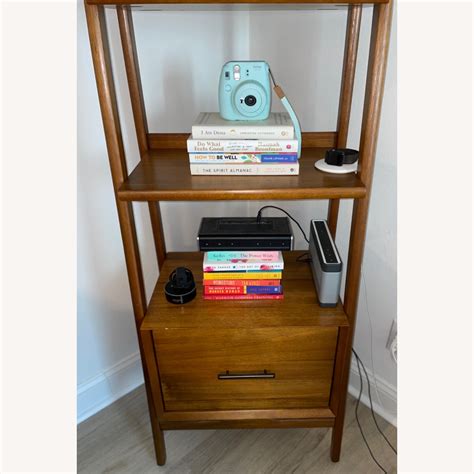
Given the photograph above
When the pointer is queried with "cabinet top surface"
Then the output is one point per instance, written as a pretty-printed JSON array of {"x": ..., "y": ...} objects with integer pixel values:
[
  {"x": 298, "y": 308},
  {"x": 164, "y": 175}
]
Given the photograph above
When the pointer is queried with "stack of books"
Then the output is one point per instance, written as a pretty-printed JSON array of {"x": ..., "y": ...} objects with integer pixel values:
[
  {"x": 223, "y": 147},
  {"x": 243, "y": 275}
]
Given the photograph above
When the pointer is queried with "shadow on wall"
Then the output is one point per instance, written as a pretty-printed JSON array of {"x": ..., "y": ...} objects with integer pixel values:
[
  {"x": 179, "y": 93},
  {"x": 181, "y": 236}
]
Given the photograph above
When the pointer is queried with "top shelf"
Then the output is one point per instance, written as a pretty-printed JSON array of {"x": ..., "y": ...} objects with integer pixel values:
[{"x": 293, "y": 4}]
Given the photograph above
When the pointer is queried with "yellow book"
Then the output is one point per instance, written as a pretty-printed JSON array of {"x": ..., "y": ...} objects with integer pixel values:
[{"x": 242, "y": 275}]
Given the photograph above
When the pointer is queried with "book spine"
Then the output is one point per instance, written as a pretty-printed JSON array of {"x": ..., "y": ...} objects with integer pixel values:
[
  {"x": 242, "y": 276},
  {"x": 242, "y": 297},
  {"x": 226, "y": 255},
  {"x": 241, "y": 282},
  {"x": 242, "y": 146},
  {"x": 243, "y": 158},
  {"x": 254, "y": 169},
  {"x": 243, "y": 131},
  {"x": 243, "y": 290},
  {"x": 225, "y": 290},
  {"x": 246, "y": 267},
  {"x": 264, "y": 290}
]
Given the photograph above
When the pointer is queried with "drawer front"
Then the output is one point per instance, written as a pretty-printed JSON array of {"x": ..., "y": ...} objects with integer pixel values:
[{"x": 226, "y": 369}]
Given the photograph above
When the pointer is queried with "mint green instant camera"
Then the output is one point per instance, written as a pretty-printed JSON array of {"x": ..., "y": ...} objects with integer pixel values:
[{"x": 245, "y": 91}]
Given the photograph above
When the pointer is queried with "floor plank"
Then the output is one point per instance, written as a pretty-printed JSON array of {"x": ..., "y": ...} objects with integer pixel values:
[{"x": 118, "y": 440}]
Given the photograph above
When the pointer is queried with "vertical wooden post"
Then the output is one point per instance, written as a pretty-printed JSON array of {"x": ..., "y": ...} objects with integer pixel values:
[
  {"x": 354, "y": 15},
  {"x": 379, "y": 42},
  {"x": 132, "y": 69},
  {"x": 108, "y": 104}
]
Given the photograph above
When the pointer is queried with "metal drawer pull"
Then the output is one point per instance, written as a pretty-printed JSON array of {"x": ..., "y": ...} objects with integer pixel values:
[{"x": 259, "y": 375}]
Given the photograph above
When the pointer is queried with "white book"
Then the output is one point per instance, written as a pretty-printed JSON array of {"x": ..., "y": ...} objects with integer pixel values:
[
  {"x": 241, "y": 146},
  {"x": 249, "y": 158},
  {"x": 212, "y": 125},
  {"x": 254, "y": 169}
]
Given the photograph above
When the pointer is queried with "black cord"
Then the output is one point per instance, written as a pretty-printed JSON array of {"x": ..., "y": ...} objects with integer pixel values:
[
  {"x": 357, "y": 416},
  {"x": 259, "y": 217},
  {"x": 301, "y": 258},
  {"x": 371, "y": 405}
]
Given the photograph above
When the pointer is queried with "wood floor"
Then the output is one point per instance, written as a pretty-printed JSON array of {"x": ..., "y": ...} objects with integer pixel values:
[{"x": 118, "y": 440}]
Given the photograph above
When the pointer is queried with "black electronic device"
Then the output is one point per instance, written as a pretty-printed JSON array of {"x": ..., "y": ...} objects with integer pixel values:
[
  {"x": 181, "y": 287},
  {"x": 341, "y": 156},
  {"x": 245, "y": 233}
]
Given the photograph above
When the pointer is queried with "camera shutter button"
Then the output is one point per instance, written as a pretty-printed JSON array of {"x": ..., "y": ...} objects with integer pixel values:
[{"x": 227, "y": 88}]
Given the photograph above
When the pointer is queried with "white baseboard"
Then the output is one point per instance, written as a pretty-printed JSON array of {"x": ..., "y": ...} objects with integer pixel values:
[
  {"x": 102, "y": 390},
  {"x": 385, "y": 404}
]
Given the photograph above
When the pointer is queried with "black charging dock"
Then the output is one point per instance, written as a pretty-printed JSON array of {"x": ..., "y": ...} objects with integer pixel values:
[{"x": 245, "y": 233}]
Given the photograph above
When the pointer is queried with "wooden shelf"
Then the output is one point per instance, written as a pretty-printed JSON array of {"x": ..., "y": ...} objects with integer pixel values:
[
  {"x": 233, "y": 7},
  {"x": 242, "y": 2},
  {"x": 164, "y": 175},
  {"x": 298, "y": 308}
]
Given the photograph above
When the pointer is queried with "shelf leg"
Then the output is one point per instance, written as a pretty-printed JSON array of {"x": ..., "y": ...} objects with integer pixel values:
[
  {"x": 158, "y": 442},
  {"x": 108, "y": 104},
  {"x": 354, "y": 15},
  {"x": 379, "y": 41},
  {"x": 132, "y": 70}
]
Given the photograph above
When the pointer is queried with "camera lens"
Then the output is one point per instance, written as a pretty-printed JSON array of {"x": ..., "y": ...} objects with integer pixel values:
[{"x": 250, "y": 100}]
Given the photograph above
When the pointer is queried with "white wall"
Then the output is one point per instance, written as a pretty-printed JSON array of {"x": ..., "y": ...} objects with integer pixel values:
[{"x": 180, "y": 57}]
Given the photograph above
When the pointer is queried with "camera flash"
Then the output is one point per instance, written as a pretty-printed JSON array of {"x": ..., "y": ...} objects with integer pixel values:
[{"x": 236, "y": 72}]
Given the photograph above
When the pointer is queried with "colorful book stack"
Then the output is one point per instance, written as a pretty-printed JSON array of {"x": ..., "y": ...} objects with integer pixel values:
[
  {"x": 223, "y": 147},
  {"x": 243, "y": 275}
]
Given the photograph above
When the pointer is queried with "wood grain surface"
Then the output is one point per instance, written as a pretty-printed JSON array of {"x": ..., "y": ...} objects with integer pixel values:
[
  {"x": 301, "y": 360},
  {"x": 97, "y": 27},
  {"x": 164, "y": 175},
  {"x": 354, "y": 16},
  {"x": 298, "y": 308},
  {"x": 229, "y": 417},
  {"x": 132, "y": 69},
  {"x": 159, "y": 141},
  {"x": 319, "y": 422},
  {"x": 377, "y": 64}
]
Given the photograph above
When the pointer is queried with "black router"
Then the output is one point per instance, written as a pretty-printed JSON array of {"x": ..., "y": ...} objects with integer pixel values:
[{"x": 245, "y": 233}]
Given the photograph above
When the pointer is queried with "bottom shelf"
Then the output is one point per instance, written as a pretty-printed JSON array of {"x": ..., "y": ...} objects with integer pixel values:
[{"x": 298, "y": 308}]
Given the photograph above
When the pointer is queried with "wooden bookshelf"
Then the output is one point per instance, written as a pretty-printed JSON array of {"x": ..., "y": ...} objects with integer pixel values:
[{"x": 183, "y": 348}]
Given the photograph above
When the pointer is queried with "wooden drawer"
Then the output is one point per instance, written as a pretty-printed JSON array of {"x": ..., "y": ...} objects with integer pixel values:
[{"x": 191, "y": 361}]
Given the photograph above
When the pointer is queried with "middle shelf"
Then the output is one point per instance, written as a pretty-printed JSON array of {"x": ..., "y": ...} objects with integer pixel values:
[
  {"x": 164, "y": 175},
  {"x": 298, "y": 308}
]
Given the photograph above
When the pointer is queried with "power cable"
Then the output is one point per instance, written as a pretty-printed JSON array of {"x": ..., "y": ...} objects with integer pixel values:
[
  {"x": 259, "y": 217},
  {"x": 370, "y": 400},
  {"x": 357, "y": 416}
]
